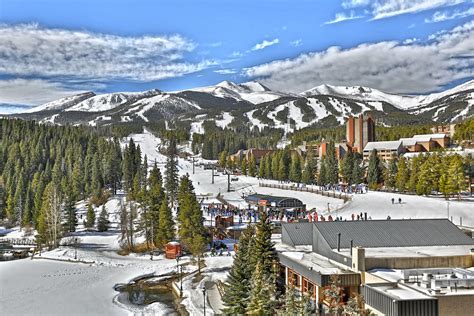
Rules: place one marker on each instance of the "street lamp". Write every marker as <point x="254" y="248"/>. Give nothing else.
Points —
<point x="75" y="248"/>
<point x="177" y="264"/>
<point x="204" y="298"/>
<point x="181" y="281"/>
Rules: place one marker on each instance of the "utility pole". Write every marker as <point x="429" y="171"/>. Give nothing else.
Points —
<point x="204" y="297"/>
<point x="193" y="164"/>
<point x="228" y="181"/>
<point x="448" y="208"/>
<point x="212" y="174"/>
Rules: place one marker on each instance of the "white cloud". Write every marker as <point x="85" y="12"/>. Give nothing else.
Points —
<point x="354" y="3"/>
<point x="236" y="54"/>
<point x="341" y="17"/>
<point x="36" y="91"/>
<point x="30" y="50"/>
<point x="297" y="42"/>
<point x="446" y="15"/>
<point x="390" y="66"/>
<point x="381" y="9"/>
<point x="266" y="44"/>
<point x="388" y="8"/>
<point x="226" y="71"/>
<point x="410" y="40"/>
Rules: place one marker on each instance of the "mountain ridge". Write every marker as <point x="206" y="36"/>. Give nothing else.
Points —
<point x="254" y="104"/>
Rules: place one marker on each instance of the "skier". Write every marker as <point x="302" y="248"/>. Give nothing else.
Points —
<point x="399" y="200"/>
<point x="393" y="200"/>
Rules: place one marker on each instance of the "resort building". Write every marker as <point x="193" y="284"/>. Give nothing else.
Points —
<point x="360" y="131"/>
<point x="385" y="150"/>
<point x="402" y="267"/>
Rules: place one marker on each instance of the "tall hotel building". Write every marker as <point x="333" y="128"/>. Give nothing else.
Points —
<point x="359" y="131"/>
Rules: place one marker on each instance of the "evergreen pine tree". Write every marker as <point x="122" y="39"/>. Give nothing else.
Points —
<point x="90" y="217"/>
<point x="263" y="297"/>
<point x="292" y="304"/>
<point x="243" y="166"/>
<point x="71" y="218"/>
<point x="374" y="172"/>
<point x="456" y="178"/>
<point x="333" y="294"/>
<point x="423" y="186"/>
<point x="402" y="175"/>
<point x="282" y="169"/>
<point x="262" y="167"/>
<point x="103" y="221"/>
<point x="295" y="168"/>
<point x="237" y="286"/>
<point x="323" y="174"/>
<point x="391" y="173"/>
<point x="309" y="170"/>
<point x="171" y="172"/>
<point x="414" y="173"/>
<point x="332" y="166"/>
<point x="252" y="166"/>
<point x="357" y="171"/>
<point x="165" y="231"/>
<point x="347" y="166"/>
<point x="223" y="159"/>
<point x="268" y="167"/>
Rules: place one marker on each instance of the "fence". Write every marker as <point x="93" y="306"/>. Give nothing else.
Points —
<point x="333" y="194"/>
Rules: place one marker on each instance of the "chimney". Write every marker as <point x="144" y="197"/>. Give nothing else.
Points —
<point x="338" y="242"/>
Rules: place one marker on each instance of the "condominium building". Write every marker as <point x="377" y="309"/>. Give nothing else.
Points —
<point x="360" y="131"/>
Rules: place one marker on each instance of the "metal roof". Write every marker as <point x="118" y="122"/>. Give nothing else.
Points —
<point x="390" y="145"/>
<point x="393" y="233"/>
<point x="297" y="234"/>
<point x="270" y="198"/>
<point x="435" y="136"/>
<point x="408" y="141"/>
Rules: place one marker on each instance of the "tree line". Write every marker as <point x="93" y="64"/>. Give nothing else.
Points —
<point x="423" y="174"/>
<point x="45" y="169"/>
<point x="151" y="200"/>
<point x="214" y="140"/>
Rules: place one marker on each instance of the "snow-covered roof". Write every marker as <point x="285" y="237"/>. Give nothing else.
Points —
<point x="431" y="136"/>
<point x="408" y="141"/>
<point x="389" y="145"/>
<point x="399" y="292"/>
<point x="413" y="252"/>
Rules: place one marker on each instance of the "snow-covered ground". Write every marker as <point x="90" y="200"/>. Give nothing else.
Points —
<point x="58" y="284"/>
<point x="47" y="287"/>
<point x="378" y="205"/>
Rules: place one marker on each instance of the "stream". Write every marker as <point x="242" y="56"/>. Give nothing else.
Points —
<point x="150" y="293"/>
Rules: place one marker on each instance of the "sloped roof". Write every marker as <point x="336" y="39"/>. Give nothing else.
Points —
<point x="435" y="136"/>
<point x="297" y="234"/>
<point x="270" y="198"/>
<point x="408" y="141"/>
<point x="393" y="233"/>
<point x="390" y="145"/>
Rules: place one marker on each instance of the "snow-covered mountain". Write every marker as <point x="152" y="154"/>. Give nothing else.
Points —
<point x="253" y="92"/>
<point x="254" y="104"/>
<point x="403" y="102"/>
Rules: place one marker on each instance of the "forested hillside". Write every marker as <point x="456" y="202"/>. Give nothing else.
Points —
<point x="42" y="166"/>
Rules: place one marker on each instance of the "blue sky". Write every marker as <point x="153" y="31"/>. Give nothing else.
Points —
<point x="53" y="48"/>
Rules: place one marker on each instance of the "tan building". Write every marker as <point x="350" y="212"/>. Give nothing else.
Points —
<point x="258" y="154"/>
<point x="385" y="150"/>
<point x="439" y="140"/>
<point x="360" y="131"/>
